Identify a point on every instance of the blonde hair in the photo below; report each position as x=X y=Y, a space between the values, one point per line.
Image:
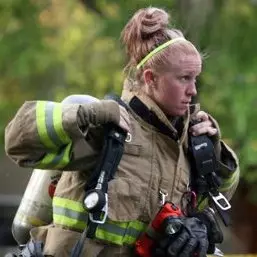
x=148 y=29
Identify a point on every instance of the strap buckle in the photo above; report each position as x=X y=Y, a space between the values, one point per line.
x=221 y=201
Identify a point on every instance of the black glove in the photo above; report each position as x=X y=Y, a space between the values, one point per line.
x=183 y=237
x=214 y=232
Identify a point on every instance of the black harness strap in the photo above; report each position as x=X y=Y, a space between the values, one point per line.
x=110 y=157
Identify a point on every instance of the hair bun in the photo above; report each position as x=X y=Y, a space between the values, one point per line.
x=147 y=28
x=153 y=21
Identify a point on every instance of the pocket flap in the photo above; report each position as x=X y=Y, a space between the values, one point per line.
x=132 y=149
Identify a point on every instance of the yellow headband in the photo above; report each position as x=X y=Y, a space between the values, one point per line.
x=158 y=49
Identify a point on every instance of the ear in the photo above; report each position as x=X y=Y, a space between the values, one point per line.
x=148 y=77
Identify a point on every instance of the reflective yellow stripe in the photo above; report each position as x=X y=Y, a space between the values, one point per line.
x=228 y=183
x=107 y=236
x=66 y=157
x=49 y=124
x=56 y=160
x=69 y=222
x=134 y=229
x=202 y=203
x=46 y=161
x=71 y=214
x=63 y=202
x=138 y=225
x=129 y=240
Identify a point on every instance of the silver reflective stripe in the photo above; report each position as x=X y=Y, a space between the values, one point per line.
x=112 y=228
x=49 y=121
x=133 y=232
x=70 y=213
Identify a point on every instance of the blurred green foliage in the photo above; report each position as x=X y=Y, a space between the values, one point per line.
x=52 y=48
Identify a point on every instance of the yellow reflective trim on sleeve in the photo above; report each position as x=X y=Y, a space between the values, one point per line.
x=56 y=160
x=41 y=125
x=65 y=158
x=202 y=203
x=58 y=126
x=71 y=204
x=46 y=161
x=228 y=183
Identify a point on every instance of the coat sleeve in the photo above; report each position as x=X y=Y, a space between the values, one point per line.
x=50 y=135
x=229 y=170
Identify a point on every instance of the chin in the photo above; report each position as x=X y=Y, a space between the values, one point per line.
x=177 y=112
x=180 y=113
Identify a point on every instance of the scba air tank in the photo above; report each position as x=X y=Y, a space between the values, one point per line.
x=36 y=205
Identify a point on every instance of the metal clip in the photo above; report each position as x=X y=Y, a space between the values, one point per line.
x=128 y=137
x=163 y=197
x=221 y=201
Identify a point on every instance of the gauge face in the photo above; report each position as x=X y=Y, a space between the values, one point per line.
x=91 y=200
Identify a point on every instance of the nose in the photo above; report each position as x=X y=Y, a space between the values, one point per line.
x=191 y=89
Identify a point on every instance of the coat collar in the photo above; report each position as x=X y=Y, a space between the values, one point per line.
x=149 y=111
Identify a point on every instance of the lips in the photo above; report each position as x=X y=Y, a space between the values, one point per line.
x=186 y=102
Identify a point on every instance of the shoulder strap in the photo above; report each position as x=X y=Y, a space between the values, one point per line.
x=117 y=99
x=110 y=157
x=111 y=154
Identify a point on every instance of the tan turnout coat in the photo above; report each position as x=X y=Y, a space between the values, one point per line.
x=152 y=162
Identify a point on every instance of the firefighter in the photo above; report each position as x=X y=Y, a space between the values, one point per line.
x=160 y=84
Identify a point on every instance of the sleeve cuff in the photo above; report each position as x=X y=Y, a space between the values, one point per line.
x=98 y=113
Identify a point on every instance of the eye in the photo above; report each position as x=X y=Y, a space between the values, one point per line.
x=186 y=78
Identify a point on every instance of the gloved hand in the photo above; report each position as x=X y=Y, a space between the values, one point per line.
x=214 y=232
x=183 y=237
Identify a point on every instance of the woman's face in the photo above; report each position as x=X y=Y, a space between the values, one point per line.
x=173 y=90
